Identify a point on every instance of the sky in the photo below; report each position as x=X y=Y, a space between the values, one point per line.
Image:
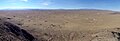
x=61 y=4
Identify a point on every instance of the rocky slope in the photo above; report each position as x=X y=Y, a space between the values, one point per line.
x=13 y=32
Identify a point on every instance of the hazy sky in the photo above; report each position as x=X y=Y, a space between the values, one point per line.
x=60 y=4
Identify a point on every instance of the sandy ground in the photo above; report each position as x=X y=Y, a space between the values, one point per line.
x=68 y=25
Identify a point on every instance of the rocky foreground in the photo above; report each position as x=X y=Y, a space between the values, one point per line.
x=13 y=32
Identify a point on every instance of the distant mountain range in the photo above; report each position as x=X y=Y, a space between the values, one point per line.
x=62 y=9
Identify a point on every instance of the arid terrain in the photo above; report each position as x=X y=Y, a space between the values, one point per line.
x=67 y=25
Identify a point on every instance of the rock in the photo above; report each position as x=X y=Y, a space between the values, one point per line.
x=12 y=32
x=40 y=24
x=14 y=16
x=104 y=36
x=9 y=18
x=45 y=21
x=116 y=35
x=52 y=25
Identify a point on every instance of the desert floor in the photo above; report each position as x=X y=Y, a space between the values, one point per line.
x=68 y=25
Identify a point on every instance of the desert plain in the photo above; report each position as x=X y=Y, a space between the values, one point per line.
x=67 y=25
